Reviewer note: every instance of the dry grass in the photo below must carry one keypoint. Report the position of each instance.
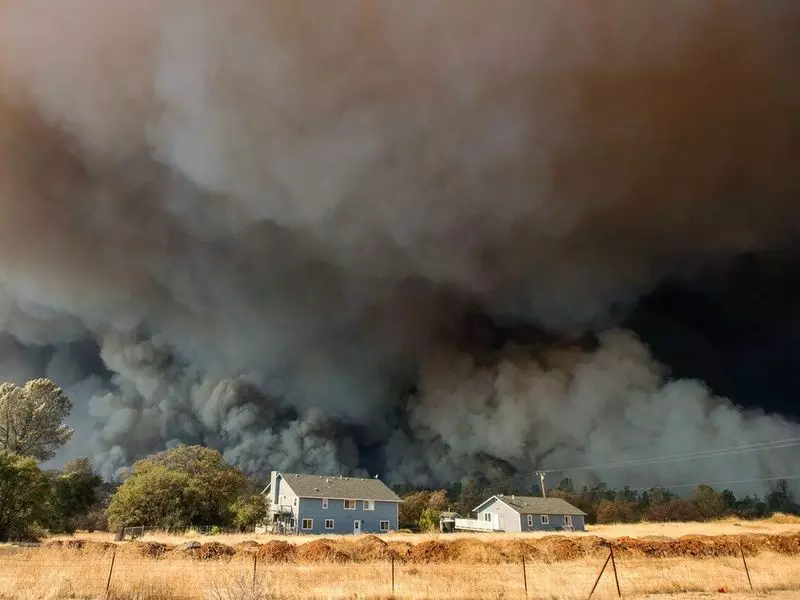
(57, 573)
(458, 567)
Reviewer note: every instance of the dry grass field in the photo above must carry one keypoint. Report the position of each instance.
(665, 561)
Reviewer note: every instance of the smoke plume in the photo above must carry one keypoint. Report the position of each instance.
(267, 226)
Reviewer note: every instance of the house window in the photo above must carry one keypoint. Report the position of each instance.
(308, 524)
(328, 523)
(384, 525)
(291, 522)
(295, 501)
(324, 503)
(530, 520)
(369, 504)
(487, 516)
(545, 520)
(568, 520)
(349, 504)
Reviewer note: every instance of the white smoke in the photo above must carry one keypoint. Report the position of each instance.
(268, 215)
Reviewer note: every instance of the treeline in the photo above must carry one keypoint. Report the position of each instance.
(193, 485)
(420, 508)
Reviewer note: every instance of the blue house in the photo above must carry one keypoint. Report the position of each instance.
(524, 513)
(327, 504)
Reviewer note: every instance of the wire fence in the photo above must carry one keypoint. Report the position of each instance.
(140, 531)
(614, 575)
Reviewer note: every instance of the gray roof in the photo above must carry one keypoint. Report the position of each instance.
(450, 515)
(539, 506)
(330, 486)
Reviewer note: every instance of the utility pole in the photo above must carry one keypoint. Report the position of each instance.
(541, 475)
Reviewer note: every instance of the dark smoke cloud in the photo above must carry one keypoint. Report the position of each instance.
(272, 220)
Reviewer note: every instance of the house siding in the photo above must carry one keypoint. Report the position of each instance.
(509, 518)
(556, 523)
(311, 508)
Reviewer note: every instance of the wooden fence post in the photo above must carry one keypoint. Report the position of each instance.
(614, 565)
(746, 570)
(599, 575)
(255, 564)
(525, 577)
(111, 570)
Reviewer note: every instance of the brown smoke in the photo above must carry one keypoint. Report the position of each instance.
(267, 214)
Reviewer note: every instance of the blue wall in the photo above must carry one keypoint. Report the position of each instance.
(556, 523)
(311, 508)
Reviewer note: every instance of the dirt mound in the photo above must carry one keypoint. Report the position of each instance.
(370, 548)
(468, 550)
(277, 551)
(215, 551)
(145, 549)
(431, 552)
(559, 548)
(248, 544)
(85, 546)
(401, 550)
(320, 551)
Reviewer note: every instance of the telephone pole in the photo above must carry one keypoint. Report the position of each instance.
(541, 475)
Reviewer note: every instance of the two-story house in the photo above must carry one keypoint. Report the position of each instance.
(329, 504)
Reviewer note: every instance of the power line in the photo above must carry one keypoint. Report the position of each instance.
(774, 445)
(711, 483)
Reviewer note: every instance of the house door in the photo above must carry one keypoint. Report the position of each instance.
(356, 526)
(496, 521)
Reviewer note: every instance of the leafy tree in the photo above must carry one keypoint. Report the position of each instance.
(470, 497)
(674, 510)
(412, 508)
(248, 511)
(710, 504)
(781, 498)
(618, 511)
(429, 520)
(438, 501)
(74, 493)
(185, 485)
(31, 418)
(24, 494)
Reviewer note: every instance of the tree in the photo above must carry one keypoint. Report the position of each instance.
(469, 498)
(438, 501)
(248, 511)
(781, 498)
(24, 494)
(618, 511)
(31, 418)
(429, 520)
(710, 504)
(185, 485)
(74, 493)
(412, 508)
(674, 510)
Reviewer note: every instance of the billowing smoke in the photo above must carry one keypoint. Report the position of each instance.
(266, 225)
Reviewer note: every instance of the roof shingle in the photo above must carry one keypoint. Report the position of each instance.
(540, 506)
(329, 486)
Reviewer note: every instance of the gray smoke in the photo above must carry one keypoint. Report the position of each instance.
(272, 216)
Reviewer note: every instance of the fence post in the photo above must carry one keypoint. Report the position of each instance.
(614, 565)
(599, 575)
(111, 570)
(392, 574)
(525, 577)
(255, 564)
(746, 570)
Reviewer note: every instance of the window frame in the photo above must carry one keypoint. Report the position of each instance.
(368, 505)
(530, 520)
(545, 519)
(354, 503)
(303, 524)
(487, 516)
(325, 504)
(567, 520)
(382, 528)
(332, 522)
